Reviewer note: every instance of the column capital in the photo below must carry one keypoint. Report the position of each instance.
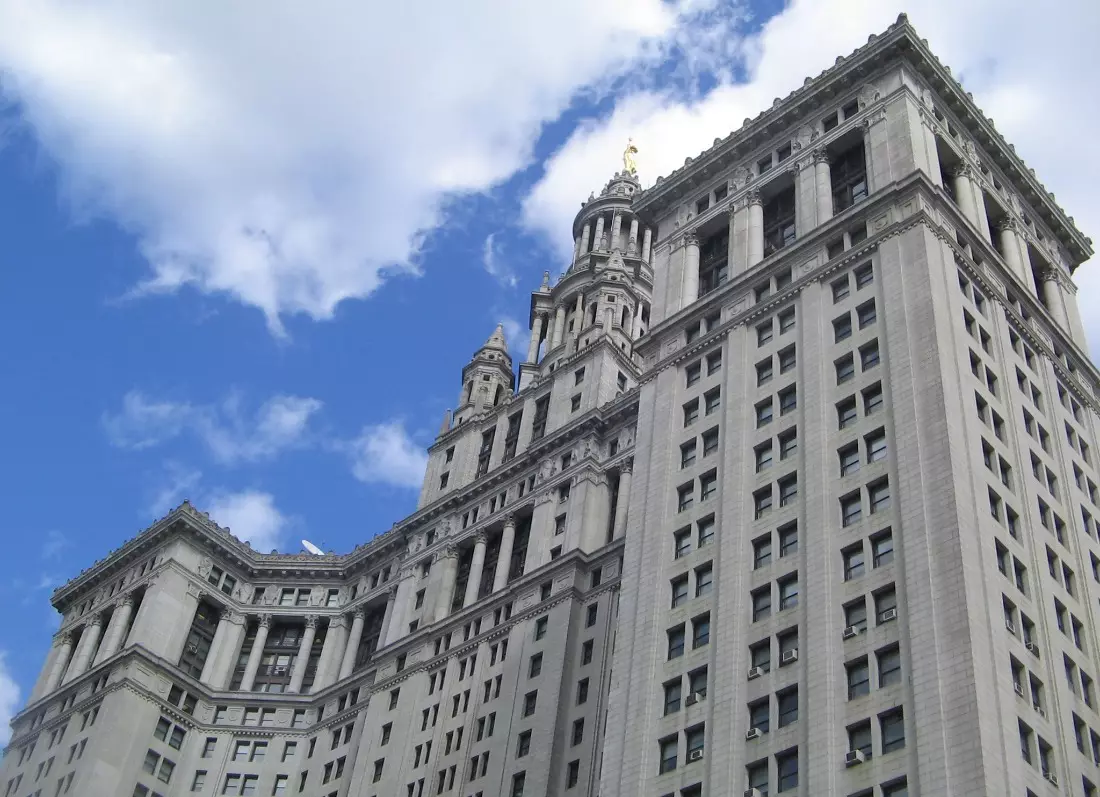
(263, 620)
(691, 238)
(1010, 223)
(311, 620)
(1048, 273)
(627, 466)
(752, 197)
(962, 170)
(510, 520)
(359, 614)
(234, 617)
(94, 621)
(481, 538)
(391, 594)
(64, 638)
(339, 621)
(820, 155)
(448, 552)
(125, 600)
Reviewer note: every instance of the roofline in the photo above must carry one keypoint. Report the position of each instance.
(900, 41)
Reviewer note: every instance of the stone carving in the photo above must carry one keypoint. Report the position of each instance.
(805, 136)
(311, 621)
(741, 177)
(204, 566)
(264, 620)
(753, 197)
(868, 95)
(971, 150)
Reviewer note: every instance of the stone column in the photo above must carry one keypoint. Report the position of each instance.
(504, 560)
(477, 568)
(756, 228)
(387, 615)
(608, 319)
(62, 661)
(636, 327)
(932, 153)
(586, 237)
(257, 653)
(691, 270)
(616, 228)
(964, 193)
(559, 328)
(448, 561)
(979, 208)
(86, 648)
(576, 250)
(823, 185)
(116, 629)
(622, 499)
(536, 338)
(578, 315)
(327, 663)
(395, 630)
(1051, 286)
(1010, 246)
(647, 244)
(351, 649)
(598, 243)
(216, 645)
(595, 513)
(632, 241)
(298, 675)
(231, 650)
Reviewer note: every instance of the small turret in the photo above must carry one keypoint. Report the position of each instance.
(487, 379)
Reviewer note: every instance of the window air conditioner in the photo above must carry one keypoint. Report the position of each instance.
(752, 792)
(695, 755)
(755, 672)
(790, 655)
(888, 615)
(853, 758)
(752, 733)
(1032, 648)
(850, 631)
(1019, 688)
(1050, 776)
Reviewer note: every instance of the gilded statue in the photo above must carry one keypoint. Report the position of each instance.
(631, 150)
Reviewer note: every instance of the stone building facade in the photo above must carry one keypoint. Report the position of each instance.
(795, 493)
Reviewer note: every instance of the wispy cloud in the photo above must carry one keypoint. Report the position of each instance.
(386, 454)
(55, 543)
(9, 699)
(492, 260)
(230, 434)
(180, 482)
(251, 515)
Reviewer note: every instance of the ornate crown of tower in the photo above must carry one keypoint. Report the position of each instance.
(608, 286)
(487, 379)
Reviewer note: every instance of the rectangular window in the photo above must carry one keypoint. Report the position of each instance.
(892, 727)
(859, 680)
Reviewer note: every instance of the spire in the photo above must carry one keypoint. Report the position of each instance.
(446, 425)
(496, 340)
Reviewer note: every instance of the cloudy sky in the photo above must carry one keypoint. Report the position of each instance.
(246, 248)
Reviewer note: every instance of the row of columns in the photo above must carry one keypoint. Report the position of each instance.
(555, 328)
(814, 203)
(601, 243)
(94, 645)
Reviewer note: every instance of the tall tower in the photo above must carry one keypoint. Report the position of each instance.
(797, 495)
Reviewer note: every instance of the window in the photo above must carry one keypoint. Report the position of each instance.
(855, 615)
(757, 776)
(764, 333)
(714, 362)
(859, 680)
(841, 289)
(885, 605)
(760, 715)
(788, 592)
(691, 412)
(676, 642)
(700, 629)
(534, 667)
(763, 454)
(764, 372)
(530, 701)
(845, 368)
(682, 542)
(859, 738)
(868, 356)
(703, 580)
(866, 313)
(762, 501)
(708, 486)
(679, 591)
(788, 539)
(788, 706)
(849, 459)
(879, 495)
(786, 320)
(787, 766)
(712, 400)
(760, 654)
(586, 652)
(872, 399)
(710, 441)
(519, 780)
(864, 276)
(842, 328)
(788, 489)
(669, 754)
(523, 744)
(693, 373)
(846, 413)
(853, 561)
(687, 454)
(882, 548)
(685, 496)
(761, 602)
(892, 727)
(762, 551)
(788, 400)
(851, 510)
(897, 788)
(672, 697)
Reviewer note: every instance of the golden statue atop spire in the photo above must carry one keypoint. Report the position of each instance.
(629, 166)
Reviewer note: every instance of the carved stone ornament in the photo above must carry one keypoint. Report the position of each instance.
(820, 155)
(391, 594)
(754, 198)
(741, 177)
(204, 566)
(95, 621)
(481, 538)
(868, 95)
(359, 614)
(1008, 223)
(1048, 273)
(510, 520)
(448, 552)
(126, 600)
(805, 136)
(628, 465)
(65, 638)
(263, 620)
(311, 621)
(971, 149)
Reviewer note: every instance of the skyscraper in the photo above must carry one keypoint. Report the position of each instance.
(795, 494)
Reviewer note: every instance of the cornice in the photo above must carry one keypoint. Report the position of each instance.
(898, 43)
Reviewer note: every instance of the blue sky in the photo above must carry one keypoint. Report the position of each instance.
(246, 266)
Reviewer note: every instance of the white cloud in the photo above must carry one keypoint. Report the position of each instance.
(491, 260)
(1031, 70)
(295, 163)
(280, 423)
(385, 454)
(9, 699)
(181, 482)
(252, 516)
